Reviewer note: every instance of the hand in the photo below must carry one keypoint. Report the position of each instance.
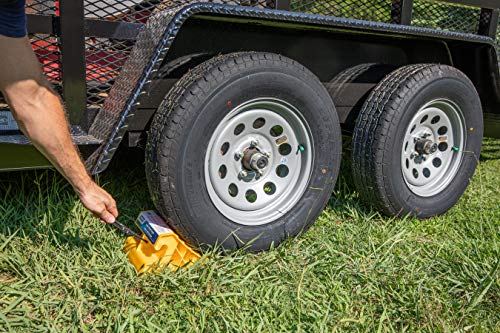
(99, 202)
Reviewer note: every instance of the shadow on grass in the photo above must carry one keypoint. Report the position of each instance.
(491, 150)
(345, 199)
(37, 204)
(125, 179)
(41, 205)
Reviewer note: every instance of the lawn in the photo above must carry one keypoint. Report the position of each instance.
(354, 270)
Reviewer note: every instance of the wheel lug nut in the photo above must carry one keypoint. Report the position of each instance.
(238, 156)
(243, 173)
(254, 143)
(267, 155)
(260, 173)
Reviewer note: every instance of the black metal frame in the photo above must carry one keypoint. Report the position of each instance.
(72, 27)
(488, 22)
(72, 43)
(46, 24)
(401, 12)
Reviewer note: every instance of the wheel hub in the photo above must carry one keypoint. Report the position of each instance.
(425, 146)
(254, 159)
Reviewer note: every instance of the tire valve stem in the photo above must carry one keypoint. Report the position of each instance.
(455, 148)
(301, 148)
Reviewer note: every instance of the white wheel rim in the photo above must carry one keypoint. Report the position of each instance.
(279, 185)
(438, 122)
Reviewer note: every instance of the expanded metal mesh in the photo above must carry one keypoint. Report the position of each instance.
(41, 7)
(46, 47)
(140, 10)
(47, 50)
(105, 57)
(374, 10)
(445, 16)
(426, 13)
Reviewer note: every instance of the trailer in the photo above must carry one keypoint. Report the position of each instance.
(242, 105)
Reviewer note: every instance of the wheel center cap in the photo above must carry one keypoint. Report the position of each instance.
(425, 146)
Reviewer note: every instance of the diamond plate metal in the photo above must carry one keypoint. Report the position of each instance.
(498, 41)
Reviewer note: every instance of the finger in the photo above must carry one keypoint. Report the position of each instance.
(111, 206)
(98, 215)
(113, 211)
(100, 220)
(107, 216)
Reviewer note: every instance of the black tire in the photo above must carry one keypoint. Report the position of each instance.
(380, 131)
(184, 123)
(350, 88)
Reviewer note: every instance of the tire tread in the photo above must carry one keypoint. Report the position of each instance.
(377, 116)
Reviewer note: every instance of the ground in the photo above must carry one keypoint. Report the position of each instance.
(354, 270)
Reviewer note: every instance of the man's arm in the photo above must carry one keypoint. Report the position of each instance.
(40, 115)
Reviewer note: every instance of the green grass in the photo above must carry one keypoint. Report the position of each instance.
(354, 270)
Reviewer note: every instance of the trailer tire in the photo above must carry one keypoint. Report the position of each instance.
(417, 140)
(350, 88)
(189, 165)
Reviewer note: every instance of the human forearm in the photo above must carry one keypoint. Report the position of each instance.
(41, 117)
